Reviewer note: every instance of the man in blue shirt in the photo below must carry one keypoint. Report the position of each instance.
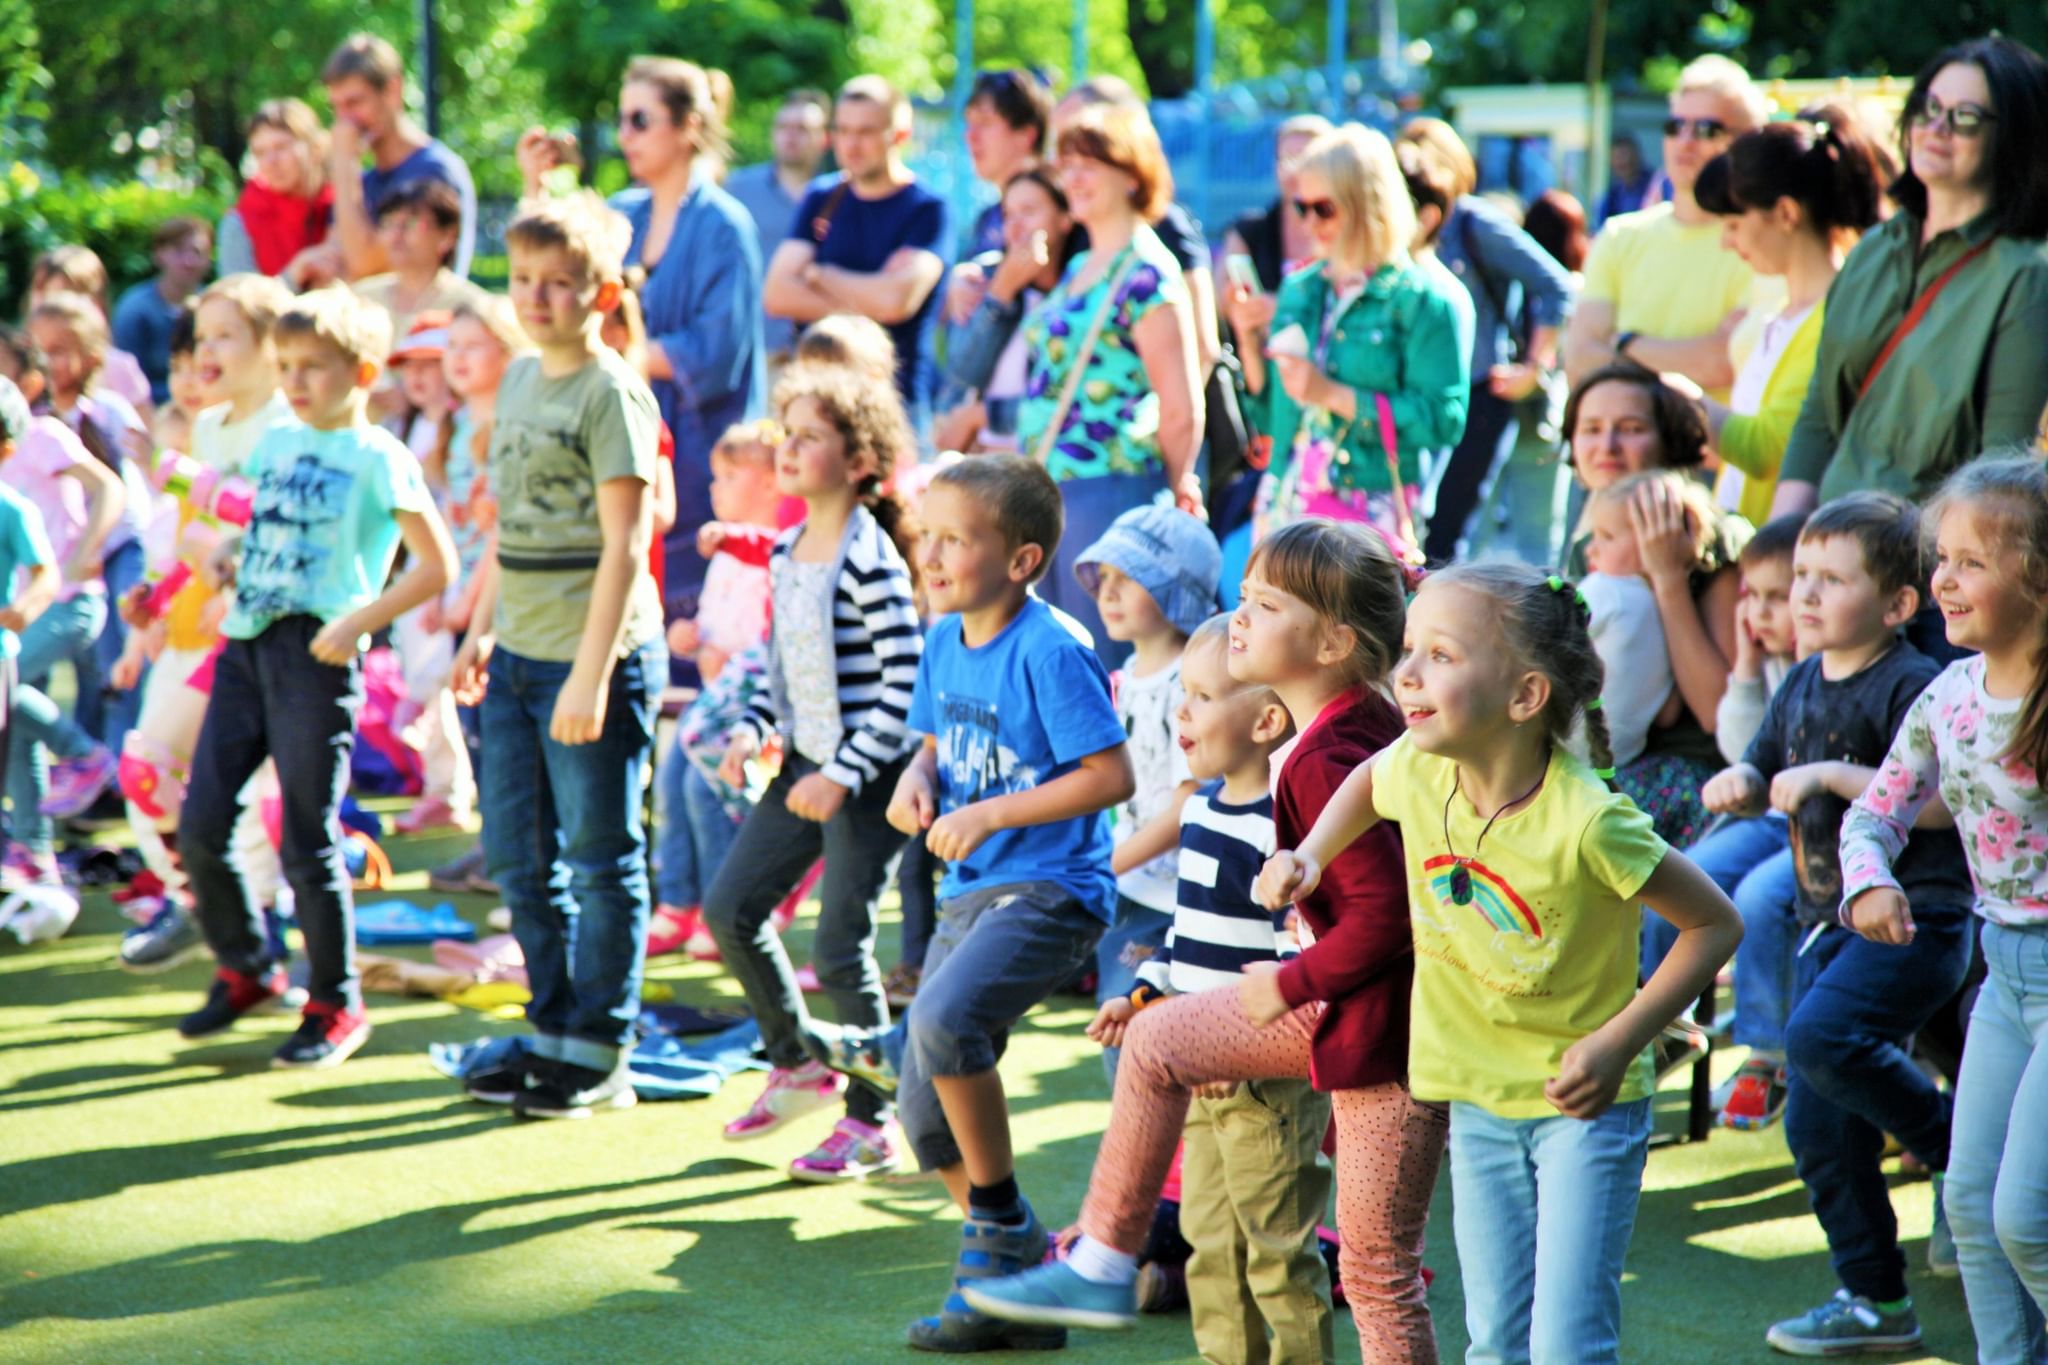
(148, 312)
(870, 240)
(366, 89)
(771, 190)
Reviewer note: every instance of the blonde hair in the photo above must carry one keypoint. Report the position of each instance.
(849, 339)
(1703, 514)
(1717, 75)
(592, 233)
(296, 117)
(79, 267)
(495, 314)
(260, 299)
(1216, 632)
(685, 89)
(1444, 151)
(877, 91)
(1371, 196)
(87, 323)
(757, 440)
(336, 315)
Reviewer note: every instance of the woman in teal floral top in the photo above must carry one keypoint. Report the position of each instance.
(1379, 339)
(1131, 433)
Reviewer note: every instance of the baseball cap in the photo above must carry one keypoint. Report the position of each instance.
(426, 338)
(1169, 553)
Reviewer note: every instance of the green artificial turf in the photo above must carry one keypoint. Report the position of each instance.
(175, 1201)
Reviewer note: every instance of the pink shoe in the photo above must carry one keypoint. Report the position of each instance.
(854, 1151)
(430, 813)
(701, 946)
(20, 868)
(784, 914)
(77, 782)
(672, 928)
(807, 980)
(790, 1093)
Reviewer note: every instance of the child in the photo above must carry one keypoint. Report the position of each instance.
(1023, 755)
(333, 498)
(699, 812)
(1855, 1005)
(235, 372)
(568, 625)
(842, 660)
(419, 224)
(1627, 632)
(1320, 614)
(24, 550)
(1527, 1018)
(182, 249)
(1254, 1181)
(73, 269)
(429, 404)
(170, 426)
(1978, 739)
(1153, 577)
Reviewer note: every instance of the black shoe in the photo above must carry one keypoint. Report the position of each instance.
(327, 1035)
(505, 1082)
(568, 1091)
(232, 995)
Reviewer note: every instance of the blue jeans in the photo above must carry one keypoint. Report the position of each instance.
(1997, 1193)
(563, 841)
(917, 891)
(694, 835)
(40, 729)
(1750, 860)
(1856, 1008)
(1138, 933)
(1542, 1210)
(108, 717)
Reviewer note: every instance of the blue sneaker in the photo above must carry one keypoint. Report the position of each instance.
(1056, 1295)
(1941, 1243)
(871, 1055)
(170, 938)
(988, 1251)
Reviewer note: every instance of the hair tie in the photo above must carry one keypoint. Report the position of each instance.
(1556, 583)
(1596, 704)
(1604, 774)
(1412, 576)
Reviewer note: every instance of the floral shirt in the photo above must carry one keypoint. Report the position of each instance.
(1113, 425)
(1953, 744)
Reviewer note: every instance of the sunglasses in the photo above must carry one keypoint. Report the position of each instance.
(1964, 120)
(1325, 209)
(1702, 129)
(639, 120)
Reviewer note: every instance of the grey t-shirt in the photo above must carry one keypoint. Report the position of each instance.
(553, 443)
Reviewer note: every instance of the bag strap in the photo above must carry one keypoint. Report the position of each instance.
(1915, 315)
(822, 224)
(1404, 521)
(1081, 357)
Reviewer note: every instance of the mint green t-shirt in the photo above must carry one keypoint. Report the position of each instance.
(22, 546)
(325, 529)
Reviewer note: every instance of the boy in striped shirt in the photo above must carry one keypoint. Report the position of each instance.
(1254, 1182)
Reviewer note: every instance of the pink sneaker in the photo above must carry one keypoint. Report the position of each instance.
(701, 946)
(784, 915)
(791, 1093)
(430, 813)
(21, 868)
(854, 1151)
(671, 928)
(76, 783)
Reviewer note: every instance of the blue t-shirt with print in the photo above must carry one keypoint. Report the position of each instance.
(22, 546)
(324, 528)
(862, 234)
(1019, 711)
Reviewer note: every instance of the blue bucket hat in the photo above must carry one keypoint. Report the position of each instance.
(1170, 554)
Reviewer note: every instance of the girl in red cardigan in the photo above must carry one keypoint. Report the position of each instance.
(1320, 623)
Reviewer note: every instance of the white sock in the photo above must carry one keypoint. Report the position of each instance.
(1101, 1264)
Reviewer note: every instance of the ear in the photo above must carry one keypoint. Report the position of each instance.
(608, 296)
(1024, 562)
(1788, 214)
(1337, 645)
(1271, 724)
(366, 373)
(1530, 697)
(1903, 607)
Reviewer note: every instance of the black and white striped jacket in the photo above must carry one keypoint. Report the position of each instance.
(877, 641)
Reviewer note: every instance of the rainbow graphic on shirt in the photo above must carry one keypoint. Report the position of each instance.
(1492, 898)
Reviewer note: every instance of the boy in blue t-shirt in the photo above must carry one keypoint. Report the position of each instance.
(334, 497)
(1024, 757)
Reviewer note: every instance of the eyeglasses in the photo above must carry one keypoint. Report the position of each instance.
(1964, 120)
(1325, 209)
(1702, 129)
(639, 120)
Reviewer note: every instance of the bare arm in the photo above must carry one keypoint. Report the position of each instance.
(433, 564)
(354, 230)
(1703, 359)
(890, 295)
(625, 510)
(1588, 338)
(1096, 783)
(105, 496)
(1202, 296)
(1155, 838)
(1167, 350)
(784, 293)
(1291, 874)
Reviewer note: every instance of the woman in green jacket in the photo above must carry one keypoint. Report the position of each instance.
(1369, 350)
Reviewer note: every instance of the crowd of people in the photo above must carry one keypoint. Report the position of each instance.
(1117, 600)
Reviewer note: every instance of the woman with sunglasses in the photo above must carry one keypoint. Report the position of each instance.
(1935, 346)
(1370, 349)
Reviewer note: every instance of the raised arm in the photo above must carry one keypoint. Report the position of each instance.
(1292, 874)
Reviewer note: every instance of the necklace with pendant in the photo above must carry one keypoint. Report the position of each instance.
(1461, 875)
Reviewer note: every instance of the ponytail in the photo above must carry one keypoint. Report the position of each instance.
(1824, 160)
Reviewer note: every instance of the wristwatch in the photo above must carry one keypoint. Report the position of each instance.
(1622, 343)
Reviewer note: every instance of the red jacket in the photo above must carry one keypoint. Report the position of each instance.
(1362, 963)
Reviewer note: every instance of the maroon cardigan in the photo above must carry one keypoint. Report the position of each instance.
(1362, 964)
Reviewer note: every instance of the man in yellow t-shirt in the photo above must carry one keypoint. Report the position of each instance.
(1660, 288)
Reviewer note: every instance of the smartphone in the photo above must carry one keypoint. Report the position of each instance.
(1239, 270)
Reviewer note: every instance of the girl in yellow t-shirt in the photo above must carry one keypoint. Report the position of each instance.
(1524, 874)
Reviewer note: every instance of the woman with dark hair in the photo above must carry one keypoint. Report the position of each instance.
(1793, 198)
(1557, 222)
(1935, 346)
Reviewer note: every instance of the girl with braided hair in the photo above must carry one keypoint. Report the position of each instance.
(1525, 868)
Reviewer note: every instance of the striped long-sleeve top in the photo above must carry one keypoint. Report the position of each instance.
(1218, 929)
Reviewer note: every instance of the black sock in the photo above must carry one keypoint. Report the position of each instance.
(997, 1203)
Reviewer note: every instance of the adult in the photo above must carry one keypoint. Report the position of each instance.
(1275, 239)
(871, 240)
(286, 206)
(366, 90)
(148, 312)
(1008, 115)
(1660, 288)
(1793, 198)
(1936, 341)
(1520, 299)
(770, 190)
(1112, 407)
(1556, 222)
(1628, 179)
(1370, 351)
(702, 295)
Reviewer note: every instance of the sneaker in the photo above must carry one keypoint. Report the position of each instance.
(170, 938)
(1757, 1099)
(232, 995)
(568, 1091)
(1941, 1243)
(1055, 1295)
(1847, 1324)
(1162, 1288)
(701, 946)
(899, 987)
(791, 1092)
(463, 876)
(507, 1081)
(871, 1055)
(988, 1251)
(855, 1151)
(328, 1035)
(429, 813)
(670, 929)
(76, 783)
(20, 867)
(1678, 1046)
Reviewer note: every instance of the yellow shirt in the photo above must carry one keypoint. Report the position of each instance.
(218, 444)
(1543, 953)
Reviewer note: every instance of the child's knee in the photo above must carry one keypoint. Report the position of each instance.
(948, 1039)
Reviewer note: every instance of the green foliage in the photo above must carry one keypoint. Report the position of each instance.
(114, 220)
